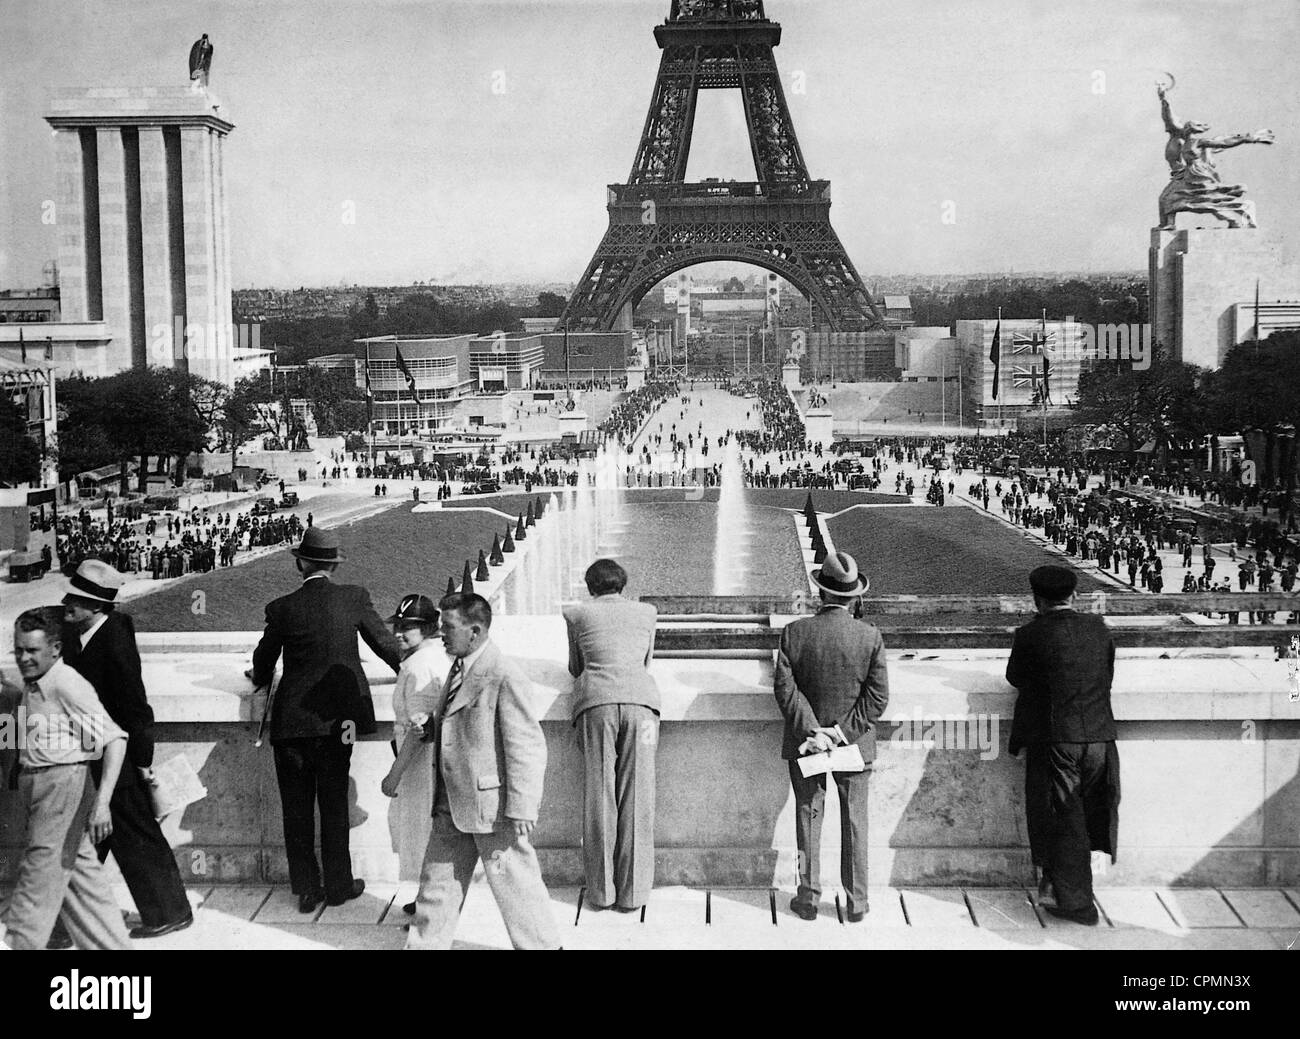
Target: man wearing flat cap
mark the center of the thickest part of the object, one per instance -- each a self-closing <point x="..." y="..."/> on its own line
<point x="832" y="687"/>
<point x="99" y="644"/>
<point x="321" y="706"/>
<point x="1063" y="663"/>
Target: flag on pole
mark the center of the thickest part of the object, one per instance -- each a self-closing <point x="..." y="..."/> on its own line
<point x="1256" y="311"/>
<point x="995" y="355"/>
<point x="1047" y="375"/>
<point x="410" y="379"/>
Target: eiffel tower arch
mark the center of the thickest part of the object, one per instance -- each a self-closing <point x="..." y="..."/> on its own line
<point x="659" y="222"/>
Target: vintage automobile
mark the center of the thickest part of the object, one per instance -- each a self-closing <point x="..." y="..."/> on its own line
<point x="483" y="487"/>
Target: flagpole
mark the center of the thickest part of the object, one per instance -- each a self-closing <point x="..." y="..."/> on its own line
<point x="370" y="407"/>
<point x="1257" y="317"/>
<point x="961" y="422"/>
<point x="999" y="373"/>
<point x="1045" y="390"/>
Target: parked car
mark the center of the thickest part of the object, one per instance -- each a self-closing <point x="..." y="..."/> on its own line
<point x="289" y="500"/>
<point x="483" y="487"/>
<point x="264" y="506"/>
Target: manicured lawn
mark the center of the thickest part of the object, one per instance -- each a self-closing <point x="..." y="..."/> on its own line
<point x="391" y="554"/>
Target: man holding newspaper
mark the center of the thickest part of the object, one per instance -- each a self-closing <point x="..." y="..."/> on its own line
<point x="832" y="687"/>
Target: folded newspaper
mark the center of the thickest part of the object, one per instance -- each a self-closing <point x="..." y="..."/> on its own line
<point x="175" y="785"/>
<point x="841" y="759"/>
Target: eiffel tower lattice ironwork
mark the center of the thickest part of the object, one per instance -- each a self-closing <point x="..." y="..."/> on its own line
<point x="660" y="223"/>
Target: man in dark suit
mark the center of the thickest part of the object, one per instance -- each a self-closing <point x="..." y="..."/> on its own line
<point x="1063" y="663"/>
<point x="616" y="712"/>
<point x="832" y="687"/>
<point x="99" y="644"/>
<point x="320" y="707"/>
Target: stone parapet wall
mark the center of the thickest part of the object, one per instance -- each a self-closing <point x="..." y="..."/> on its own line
<point x="1210" y="751"/>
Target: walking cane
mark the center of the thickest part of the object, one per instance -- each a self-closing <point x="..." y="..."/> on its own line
<point x="266" y="711"/>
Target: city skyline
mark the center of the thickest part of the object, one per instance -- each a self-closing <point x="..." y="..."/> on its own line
<point x="463" y="143"/>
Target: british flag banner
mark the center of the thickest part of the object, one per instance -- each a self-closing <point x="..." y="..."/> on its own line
<point x="1026" y="376"/>
<point x="1032" y="342"/>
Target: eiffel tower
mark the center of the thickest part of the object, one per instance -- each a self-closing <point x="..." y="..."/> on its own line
<point x="660" y="223"/>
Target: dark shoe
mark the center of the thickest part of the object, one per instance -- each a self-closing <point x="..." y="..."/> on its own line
<point x="358" y="886"/>
<point x="409" y="909"/>
<point x="59" y="941"/>
<point x="803" y="910"/>
<point x="158" y="930"/>
<point x="856" y="916"/>
<point x="1088" y="916"/>
<point x="307" y="903"/>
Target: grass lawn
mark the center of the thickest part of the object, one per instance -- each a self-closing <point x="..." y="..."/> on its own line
<point x="391" y="554"/>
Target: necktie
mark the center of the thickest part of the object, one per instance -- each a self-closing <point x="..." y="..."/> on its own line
<point x="454" y="680"/>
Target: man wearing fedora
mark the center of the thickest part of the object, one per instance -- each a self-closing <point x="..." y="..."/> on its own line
<point x="1063" y="663"/>
<point x="832" y="687"/>
<point x="320" y="707"/>
<point x="99" y="644"/>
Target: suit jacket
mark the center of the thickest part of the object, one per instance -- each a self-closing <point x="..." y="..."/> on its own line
<point x="1062" y="662"/>
<point x="830" y="670"/>
<point x="491" y="751"/>
<point x="323" y="684"/>
<point x="111" y="663"/>
<point x="611" y="643"/>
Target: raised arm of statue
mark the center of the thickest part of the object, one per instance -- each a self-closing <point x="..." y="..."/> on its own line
<point x="1171" y="124"/>
<point x="1219" y="143"/>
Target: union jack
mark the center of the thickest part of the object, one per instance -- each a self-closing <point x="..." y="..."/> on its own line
<point x="1032" y="342"/>
<point x="1026" y="376"/>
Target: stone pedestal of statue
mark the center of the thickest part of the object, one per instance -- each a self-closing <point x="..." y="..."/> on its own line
<point x="1200" y="277"/>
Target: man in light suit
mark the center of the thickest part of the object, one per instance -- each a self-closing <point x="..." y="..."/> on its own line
<point x="616" y="712"/>
<point x="321" y="707"/>
<point x="490" y="761"/>
<point x="832" y="687"/>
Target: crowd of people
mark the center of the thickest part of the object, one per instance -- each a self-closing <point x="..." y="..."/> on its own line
<point x="193" y="542"/>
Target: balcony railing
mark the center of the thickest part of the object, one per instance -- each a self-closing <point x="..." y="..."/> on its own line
<point x="720" y="190"/>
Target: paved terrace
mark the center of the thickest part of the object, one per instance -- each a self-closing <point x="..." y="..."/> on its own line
<point x="266" y="917"/>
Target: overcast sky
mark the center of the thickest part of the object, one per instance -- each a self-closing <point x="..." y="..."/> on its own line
<point x="1037" y="120"/>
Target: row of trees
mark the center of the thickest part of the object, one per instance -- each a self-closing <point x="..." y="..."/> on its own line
<point x="1094" y="303"/>
<point x="166" y="415"/>
<point x="297" y="339"/>
<point x="1177" y="405"/>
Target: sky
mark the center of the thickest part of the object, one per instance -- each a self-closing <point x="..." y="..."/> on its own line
<point x="474" y="138"/>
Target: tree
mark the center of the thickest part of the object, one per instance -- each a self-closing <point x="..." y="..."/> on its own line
<point x="1163" y="403"/>
<point x="82" y="440"/>
<point x="20" y="456"/>
<point x="550" y="304"/>
<point x="1256" y="394"/>
<point x="133" y="415"/>
<point x="1258" y="385"/>
<point x="238" y="420"/>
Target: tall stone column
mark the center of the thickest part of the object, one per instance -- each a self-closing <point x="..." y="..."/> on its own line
<point x="204" y="320"/>
<point x="113" y="246"/>
<point x="70" y="220"/>
<point x="222" y="371"/>
<point x="159" y="312"/>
